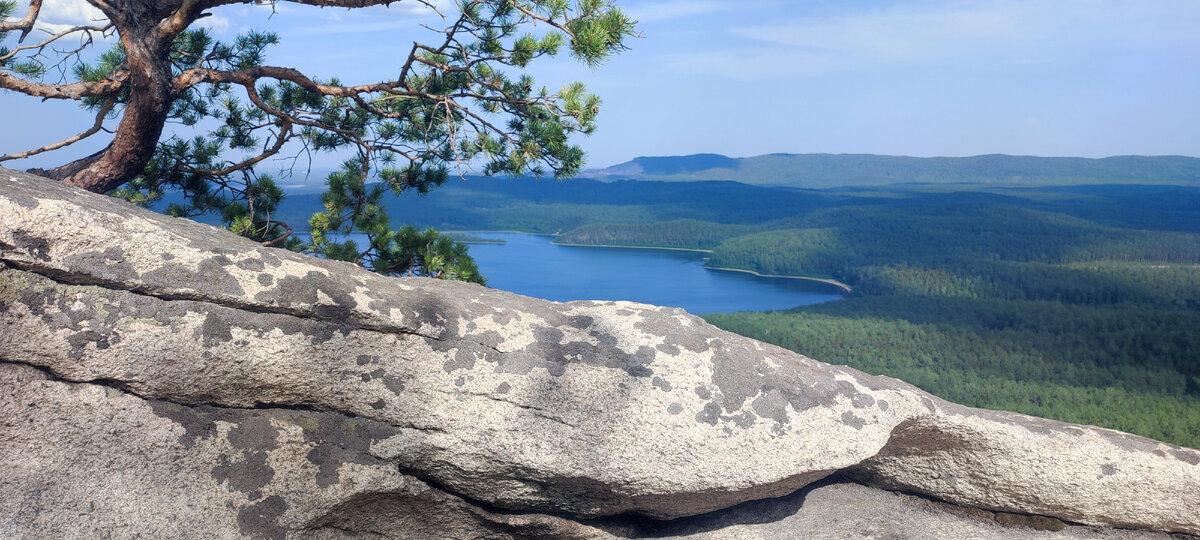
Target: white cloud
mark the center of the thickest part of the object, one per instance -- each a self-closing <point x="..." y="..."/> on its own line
<point x="74" y="12"/>
<point x="59" y="15"/>
<point x="902" y="33"/>
<point x="941" y="31"/>
<point x="215" y="23"/>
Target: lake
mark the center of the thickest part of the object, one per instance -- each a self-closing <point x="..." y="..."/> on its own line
<point x="531" y="265"/>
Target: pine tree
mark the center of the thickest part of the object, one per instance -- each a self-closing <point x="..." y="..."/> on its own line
<point x="455" y="101"/>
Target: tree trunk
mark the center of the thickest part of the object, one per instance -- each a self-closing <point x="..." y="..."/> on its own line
<point x="150" y="97"/>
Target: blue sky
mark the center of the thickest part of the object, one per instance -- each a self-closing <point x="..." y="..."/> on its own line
<point x="1088" y="78"/>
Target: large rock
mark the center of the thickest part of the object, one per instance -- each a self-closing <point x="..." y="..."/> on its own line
<point x="103" y="463"/>
<point x="498" y="407"/>
<point x="91" y="461"/>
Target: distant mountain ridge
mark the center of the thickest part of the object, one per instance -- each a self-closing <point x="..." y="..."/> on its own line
<point x="845" y="170"/>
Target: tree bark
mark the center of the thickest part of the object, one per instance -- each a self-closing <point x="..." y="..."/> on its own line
<point x="151" y="93"/>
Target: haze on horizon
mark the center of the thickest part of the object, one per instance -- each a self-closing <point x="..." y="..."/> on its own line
<point x="895" y="77"/>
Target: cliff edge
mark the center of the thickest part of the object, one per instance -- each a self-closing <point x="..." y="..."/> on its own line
<point x="170" y="379"/>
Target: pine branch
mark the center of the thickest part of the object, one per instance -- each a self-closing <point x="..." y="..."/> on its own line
<point x="96" y="127"/>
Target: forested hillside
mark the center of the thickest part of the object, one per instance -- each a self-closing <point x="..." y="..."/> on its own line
<point x="547" y="206"/>
<point x="999" y="306"/>
<point x="1131" y="367"/>
<point x="677" y="234"/>
<point x="973" y="250"/>
<point x="840" y="170"/>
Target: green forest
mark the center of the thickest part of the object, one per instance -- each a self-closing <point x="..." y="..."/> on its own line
<point x="997" y="306"/>
<point x="1126" y="367"/>
<point x="991" y="304"/>
<point x="1079" y="303"/>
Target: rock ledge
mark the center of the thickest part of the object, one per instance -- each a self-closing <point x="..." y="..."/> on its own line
<point x="173" y="378"/>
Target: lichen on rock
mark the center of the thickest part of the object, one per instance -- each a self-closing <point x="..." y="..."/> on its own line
<point x="198" y="378"/>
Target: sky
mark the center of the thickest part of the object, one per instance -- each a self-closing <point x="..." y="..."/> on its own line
<point x="1089" y="78"/>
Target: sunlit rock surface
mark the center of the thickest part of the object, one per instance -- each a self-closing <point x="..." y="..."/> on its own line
<point x="265" y="393"/>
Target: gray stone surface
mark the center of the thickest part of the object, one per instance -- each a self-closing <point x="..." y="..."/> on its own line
<point x="496" y="406"/>
<point x="841" y="510"/>
<point x="91" y="461"/>
<point x="83" y="460"/>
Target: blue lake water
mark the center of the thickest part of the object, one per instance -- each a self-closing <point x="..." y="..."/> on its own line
<point x="532" y="266"/>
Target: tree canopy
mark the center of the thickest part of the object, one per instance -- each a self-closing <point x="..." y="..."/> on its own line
<point x="458" y="98"/>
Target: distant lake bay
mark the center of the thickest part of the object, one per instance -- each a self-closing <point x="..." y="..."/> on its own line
<point x="531" y="265"/>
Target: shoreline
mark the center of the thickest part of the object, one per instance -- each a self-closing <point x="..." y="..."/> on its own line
<point x="848" y="289"/>
<point x="833" y="282"/>
<point x="632" y="247"/>
<point x="509" y="232"/>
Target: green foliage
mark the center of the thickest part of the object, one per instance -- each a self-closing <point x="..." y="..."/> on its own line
<point x="594" y="38"/>
<point x="974" y="250"/>
<point x="25" y="68"/>
<point x="453" y="103"/>
<point x="196" y="167"/>
<point x="426" y="253"/>
<point x="796" y="252"/>
<point x="352" y="204"/>
<point x="1126" y="368"/>
<point x="998" y="306"/>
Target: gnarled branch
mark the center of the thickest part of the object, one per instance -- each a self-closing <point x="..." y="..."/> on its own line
<point x="75" y="90"/>
<point x="285" y="134"/>
<point x="40" y="47"/>
<point x="96" y="127"/>
<point x="24" y="24"/>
